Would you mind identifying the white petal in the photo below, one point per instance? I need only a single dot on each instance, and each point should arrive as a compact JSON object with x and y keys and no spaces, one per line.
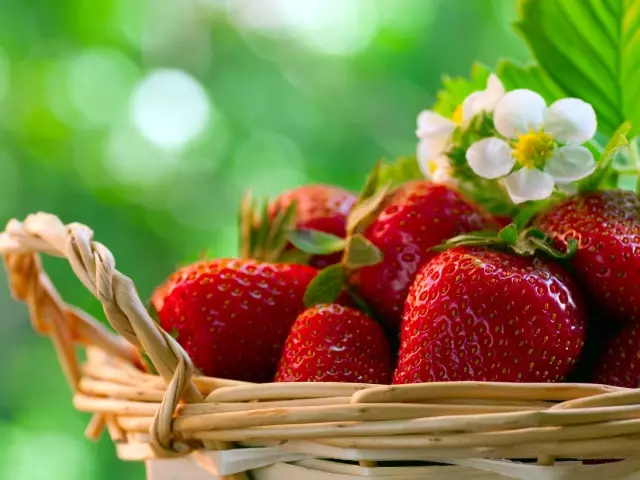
{"x":468,"y":106}
{"x":432,"y":124}
{"x":571,"y":120}
{"x":489,"y":99}
{"x":423,"y":155}
{"x":570,"y":163}
{"x":491,"y":158}
{"x":518,"y":112}
{"x":528,"y":184}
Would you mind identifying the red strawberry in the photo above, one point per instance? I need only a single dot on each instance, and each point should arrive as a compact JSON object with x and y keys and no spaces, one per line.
{"x":607,"y":265}
{"x":233,"y":316}
{"x":413,"y":218}
{"x":486,"y":315}
{"x":319,"y":207}
{"x":331,"y":343}
{"x":619,"y":364}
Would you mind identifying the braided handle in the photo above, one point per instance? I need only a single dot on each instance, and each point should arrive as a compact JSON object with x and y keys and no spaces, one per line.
{"x":94,"y":265}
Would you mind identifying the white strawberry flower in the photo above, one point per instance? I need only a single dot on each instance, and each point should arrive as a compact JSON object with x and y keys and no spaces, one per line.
{"x":543,"y":147}
{"x":435,"y":130}
{"x":483,"y":101}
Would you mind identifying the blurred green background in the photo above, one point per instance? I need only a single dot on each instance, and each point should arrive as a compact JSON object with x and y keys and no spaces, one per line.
{"x":147,"y":119}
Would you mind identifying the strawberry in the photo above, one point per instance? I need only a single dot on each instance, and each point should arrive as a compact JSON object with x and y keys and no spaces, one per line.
{"x":322,"y":208}
{"x":412,"y":219}
{"x":619,"y":364}
{"x":233,"y":316}
{"x":332,"y":343}
{"x":481,"y":314}
{"x":606,"y":225}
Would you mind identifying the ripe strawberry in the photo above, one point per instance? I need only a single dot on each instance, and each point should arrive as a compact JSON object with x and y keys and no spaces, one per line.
{"x":319,"y":207}
{"x":233,"y":316}
{"x":606,"y":225}
{"x":331,"y":343}
{"x":413,"y":218}
{"x":619,"y":364}
{"x":486,"y":315}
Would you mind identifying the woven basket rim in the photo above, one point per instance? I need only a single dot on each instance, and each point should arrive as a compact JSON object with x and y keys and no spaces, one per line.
{"x":176,"y":412}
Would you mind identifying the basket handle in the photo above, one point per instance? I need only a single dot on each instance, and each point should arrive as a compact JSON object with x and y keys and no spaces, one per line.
{"x":94,"y":265}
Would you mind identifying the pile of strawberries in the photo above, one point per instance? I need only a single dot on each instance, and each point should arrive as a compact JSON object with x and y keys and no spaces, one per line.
{"x":415,"y":284}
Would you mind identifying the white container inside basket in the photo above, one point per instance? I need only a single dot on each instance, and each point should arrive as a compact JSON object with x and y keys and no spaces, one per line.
{"x":202,"y":467}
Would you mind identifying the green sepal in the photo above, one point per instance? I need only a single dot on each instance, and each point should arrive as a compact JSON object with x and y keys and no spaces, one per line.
{"x":263,"y":238}
{"x":399,"y":171}
{"x":315,"y":241}
{"x":295,"y":256}
{"x":360,"y":252}
{"x":362,"y":213}
{"x":325,"y":287}
{"x":525,"y":243}
{"x":605,"y":165}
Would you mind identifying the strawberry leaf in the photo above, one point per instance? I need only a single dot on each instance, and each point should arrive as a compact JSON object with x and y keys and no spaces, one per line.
{"x":531,"y":76}
{"x":360,"y":252}
{"x":603,"y":70}
{"x":315,"y":241}
{"x":325,"y":287}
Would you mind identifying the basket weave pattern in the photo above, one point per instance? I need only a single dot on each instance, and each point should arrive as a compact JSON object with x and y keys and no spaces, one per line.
{"x":178,"y":413}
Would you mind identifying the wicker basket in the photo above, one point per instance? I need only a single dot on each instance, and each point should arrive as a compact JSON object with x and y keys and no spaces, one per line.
{"x":186,"y":426}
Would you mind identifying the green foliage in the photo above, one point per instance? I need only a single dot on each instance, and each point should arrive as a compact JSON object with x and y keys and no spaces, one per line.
{"x":591,"y":50}
{"x":530,"y":76}
{"x":605,"y":176}
{"x":456,"y":89}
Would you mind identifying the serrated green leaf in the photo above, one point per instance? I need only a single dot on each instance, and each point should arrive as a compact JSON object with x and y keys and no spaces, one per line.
{"x":315,"y":241}
{"x":605,"y":165}
{"x":325,"y":287}
{"x":590,"y":48}
{"x":514,"y":76}
{"x":456,"y":89}
{"x":361,"y":252}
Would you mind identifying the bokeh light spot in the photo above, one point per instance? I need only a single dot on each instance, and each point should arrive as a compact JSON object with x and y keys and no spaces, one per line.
{"x":170,"y":108}
{"x":99,"y":82}
{"x":334,"y":27}
{"x":133,"y":160}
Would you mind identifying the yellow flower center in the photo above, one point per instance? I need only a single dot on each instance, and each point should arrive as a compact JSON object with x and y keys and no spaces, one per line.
{"x":433,"y":166}
{"x":457,"y":115}
{"x":533,"y":149}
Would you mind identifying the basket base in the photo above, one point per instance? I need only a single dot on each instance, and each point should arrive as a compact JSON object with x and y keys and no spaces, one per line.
{"x":186,"y":469}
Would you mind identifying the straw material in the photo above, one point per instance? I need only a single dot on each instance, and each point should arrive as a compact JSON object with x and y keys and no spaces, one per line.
{"x":229,"y":429}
